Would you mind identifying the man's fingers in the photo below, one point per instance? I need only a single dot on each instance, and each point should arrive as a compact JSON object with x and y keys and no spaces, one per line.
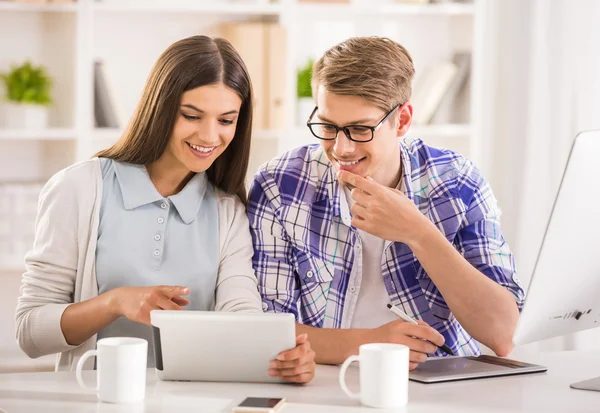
{"x":397,"y":191}
{"x":426,"y":333}
{"x":368,"y":186}
{"x":362,"y":224}
{"x":412,"y":366}
{"x":417,"y":357}
{"x":360,"y":196}
{"x":420,"y":346}
{"x":359,"y":210}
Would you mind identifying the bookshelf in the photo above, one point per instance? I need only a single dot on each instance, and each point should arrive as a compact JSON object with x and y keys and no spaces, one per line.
{"x":388,"y":9}
{"x":69,"y":37}
{"x":25,"y":7}
{"x":35,"y":134}
{"x":220,"y":8}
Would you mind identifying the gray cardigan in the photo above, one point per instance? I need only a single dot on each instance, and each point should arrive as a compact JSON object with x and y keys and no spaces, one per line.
{"x":60,"y":268}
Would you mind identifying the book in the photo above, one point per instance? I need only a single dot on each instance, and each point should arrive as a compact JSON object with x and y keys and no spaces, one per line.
{"x":248,"y":38}
{"x":104,"y":110}
{"x":262,"y":46}
{"x":429,"y":90}
{"x":275,"y":77}
{"x":455,"y":104}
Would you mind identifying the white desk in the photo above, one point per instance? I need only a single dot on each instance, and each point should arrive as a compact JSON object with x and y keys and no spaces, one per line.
{"x":545,"y":392}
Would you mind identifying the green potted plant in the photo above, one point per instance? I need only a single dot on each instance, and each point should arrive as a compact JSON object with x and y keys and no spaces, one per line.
{"x":27,"y":96}
{"x":305,"y":103}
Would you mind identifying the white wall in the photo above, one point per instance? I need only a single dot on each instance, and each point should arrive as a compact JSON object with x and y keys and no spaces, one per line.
{"x":546,"y":90}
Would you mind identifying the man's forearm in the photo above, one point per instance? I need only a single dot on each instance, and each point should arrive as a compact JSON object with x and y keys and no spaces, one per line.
{"x":486,"y":309}
{"x":332,"y":345}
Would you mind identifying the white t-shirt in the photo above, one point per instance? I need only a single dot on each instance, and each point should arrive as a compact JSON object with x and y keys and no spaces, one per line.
{"x":370,"y":310}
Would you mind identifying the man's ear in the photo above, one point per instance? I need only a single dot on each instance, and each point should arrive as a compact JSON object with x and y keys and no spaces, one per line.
{"x":404,"y":119}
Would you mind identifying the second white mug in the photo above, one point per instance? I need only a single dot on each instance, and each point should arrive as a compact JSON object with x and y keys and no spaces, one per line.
{"x":383,"y":375}
{"x":121,"y":369}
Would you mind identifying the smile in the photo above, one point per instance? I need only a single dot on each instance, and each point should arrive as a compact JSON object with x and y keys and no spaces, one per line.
{"x":205,"y":150}
{"x":349,"y":163}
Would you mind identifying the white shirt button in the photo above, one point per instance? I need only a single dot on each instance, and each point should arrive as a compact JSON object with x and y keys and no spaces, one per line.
{"x":265,"y":306}
{"x":163,"y":205}
{"x":161,"y":220}
{"x":353,"y":289}
{"x":156,"y":253}
{"x":358,"y":247}
{"x":157,"y":237}
{"x":310,"y":274}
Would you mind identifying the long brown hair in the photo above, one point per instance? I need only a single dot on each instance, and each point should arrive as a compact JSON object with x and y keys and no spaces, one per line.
{"x":185,"y":65}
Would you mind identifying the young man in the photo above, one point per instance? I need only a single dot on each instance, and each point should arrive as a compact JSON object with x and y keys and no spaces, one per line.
{"x":343,"y":228}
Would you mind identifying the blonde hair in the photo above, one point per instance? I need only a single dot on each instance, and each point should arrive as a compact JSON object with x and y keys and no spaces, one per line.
{"x":377,"y":69}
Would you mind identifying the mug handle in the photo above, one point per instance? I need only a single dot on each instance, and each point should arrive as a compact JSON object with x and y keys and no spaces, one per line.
{"x":86,"y":355}
{"x":345,"y":366}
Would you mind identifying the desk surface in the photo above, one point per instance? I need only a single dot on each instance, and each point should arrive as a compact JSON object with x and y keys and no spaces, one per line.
{"x":544,"y":392}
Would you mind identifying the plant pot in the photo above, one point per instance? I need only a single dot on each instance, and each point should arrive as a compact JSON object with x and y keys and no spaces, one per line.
{"x":21,"y":116}
{"x":304,"y":107}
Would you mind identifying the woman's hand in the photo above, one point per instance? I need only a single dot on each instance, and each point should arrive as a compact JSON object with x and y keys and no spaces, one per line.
{"x":135,"y":303}
{"x":296,"y":365}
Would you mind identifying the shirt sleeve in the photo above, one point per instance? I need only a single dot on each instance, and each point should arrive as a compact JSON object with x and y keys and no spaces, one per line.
{"x":236,"y":283}
{"x":48,"y":284}
{"x":272,"y":248}
{"x":480,"y":238}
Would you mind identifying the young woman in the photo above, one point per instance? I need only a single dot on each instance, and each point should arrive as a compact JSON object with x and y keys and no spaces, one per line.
{"x":157,"y":221}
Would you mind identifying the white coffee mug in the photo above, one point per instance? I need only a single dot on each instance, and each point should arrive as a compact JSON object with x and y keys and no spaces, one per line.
{"x":121,"y":369}
{"x":383,"y":375}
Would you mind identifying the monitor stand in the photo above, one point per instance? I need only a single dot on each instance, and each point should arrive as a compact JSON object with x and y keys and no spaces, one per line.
{"x":592,"y":384}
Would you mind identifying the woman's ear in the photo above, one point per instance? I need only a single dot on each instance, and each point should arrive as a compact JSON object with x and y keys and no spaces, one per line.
{"x":404,"y":119}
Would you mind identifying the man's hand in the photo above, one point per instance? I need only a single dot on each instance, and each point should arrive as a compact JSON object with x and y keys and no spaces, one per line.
{"x":384,"y":212}
{"x":296,"y":365}
{"x":418,"y":338}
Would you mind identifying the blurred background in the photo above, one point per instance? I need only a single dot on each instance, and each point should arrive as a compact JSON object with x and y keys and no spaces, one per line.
{"x":509,"y":83}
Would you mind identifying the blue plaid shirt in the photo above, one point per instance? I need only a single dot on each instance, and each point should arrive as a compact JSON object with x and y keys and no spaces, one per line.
{"x":304,"y":244}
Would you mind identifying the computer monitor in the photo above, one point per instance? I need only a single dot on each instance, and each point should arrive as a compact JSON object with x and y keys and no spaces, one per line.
{"x":564,"y":292}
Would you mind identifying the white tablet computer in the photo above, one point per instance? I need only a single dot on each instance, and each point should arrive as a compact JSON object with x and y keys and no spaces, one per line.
{"x":438,"y":370}
{"x":219,"y":346}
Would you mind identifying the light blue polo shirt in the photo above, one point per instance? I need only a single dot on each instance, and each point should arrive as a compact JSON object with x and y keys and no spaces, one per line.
{"x":145,"y":239}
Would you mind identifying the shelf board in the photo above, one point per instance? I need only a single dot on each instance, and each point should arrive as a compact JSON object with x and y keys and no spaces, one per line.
{"x":188,"y":7}
{"x":440,"y":131}
{"x":32,"y":7}
{"x":329,"y":11}
{"x":51,"y":134}
{"x":110,"y":135}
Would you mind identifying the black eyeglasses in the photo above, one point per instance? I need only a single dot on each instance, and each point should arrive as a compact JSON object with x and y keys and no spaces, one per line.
{"x":356,"y":133}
